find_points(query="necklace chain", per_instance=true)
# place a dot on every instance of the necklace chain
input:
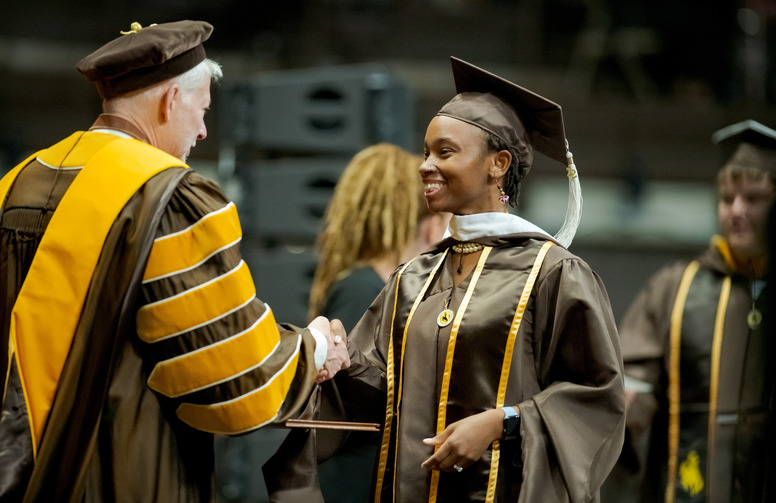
(466, 248)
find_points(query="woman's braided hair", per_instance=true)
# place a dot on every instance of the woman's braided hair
(514, 175)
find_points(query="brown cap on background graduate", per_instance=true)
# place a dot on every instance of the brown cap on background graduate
(142, 57)
(747, 144)
(523, 120)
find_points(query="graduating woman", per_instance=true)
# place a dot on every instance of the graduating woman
(493, 360)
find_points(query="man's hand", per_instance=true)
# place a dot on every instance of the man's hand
(337, 357)
(462, 443)
(321, 323)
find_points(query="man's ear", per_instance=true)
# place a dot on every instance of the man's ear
(168, 102)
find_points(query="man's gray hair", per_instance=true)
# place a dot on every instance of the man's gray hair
(194, 78)
(188, 82)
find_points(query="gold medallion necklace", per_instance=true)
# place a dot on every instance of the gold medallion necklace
(755, 317)
(446, 316)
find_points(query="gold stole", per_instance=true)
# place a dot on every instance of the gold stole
(674, 377)
(48, 308)
(442, 411)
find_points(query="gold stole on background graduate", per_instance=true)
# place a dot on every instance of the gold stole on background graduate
(693, 467)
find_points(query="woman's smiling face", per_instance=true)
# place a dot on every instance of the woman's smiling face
(456, 172)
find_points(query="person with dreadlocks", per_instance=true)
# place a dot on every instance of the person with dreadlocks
(492, 360)
(376, 220)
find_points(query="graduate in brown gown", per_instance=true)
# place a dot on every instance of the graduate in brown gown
(492, 361)
(695, 347)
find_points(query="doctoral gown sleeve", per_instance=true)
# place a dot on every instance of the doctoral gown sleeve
(572, 428)
(216, 352)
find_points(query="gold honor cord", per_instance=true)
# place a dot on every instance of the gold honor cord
(716, 354)
(442, 410)
(390, 380)
(506, 365)
(673, 377)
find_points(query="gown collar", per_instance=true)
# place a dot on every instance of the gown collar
(119, 126)
(470, 227)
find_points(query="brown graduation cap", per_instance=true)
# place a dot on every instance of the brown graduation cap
(142, 57)
(520, 117)
(747, 144)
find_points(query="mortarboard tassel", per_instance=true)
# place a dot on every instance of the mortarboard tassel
(574, 209)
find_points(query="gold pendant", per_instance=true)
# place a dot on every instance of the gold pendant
(753, 319)
(444, 318)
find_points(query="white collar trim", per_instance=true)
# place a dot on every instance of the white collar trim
(479, 225)
(114, 132)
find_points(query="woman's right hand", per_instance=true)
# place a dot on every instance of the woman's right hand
(463, 442)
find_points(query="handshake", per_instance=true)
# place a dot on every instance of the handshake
(337, 357)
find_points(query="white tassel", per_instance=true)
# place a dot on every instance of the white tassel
(574, 209)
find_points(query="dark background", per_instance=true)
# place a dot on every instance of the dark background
(643, 85)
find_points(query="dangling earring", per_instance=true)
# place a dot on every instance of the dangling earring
(504, 197)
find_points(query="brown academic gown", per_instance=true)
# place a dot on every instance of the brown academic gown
(555, 354)
(718, 369)
(109, 436)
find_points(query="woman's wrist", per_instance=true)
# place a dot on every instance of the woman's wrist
(511, 423)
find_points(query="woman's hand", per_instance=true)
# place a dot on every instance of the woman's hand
(462, 443)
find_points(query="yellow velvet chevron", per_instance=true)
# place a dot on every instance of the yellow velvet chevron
(187, 249)
(197, 306)
(218, 362)
(48, 308)
(247, 412)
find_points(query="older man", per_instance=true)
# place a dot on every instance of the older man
(131, 332)
(695, 348)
